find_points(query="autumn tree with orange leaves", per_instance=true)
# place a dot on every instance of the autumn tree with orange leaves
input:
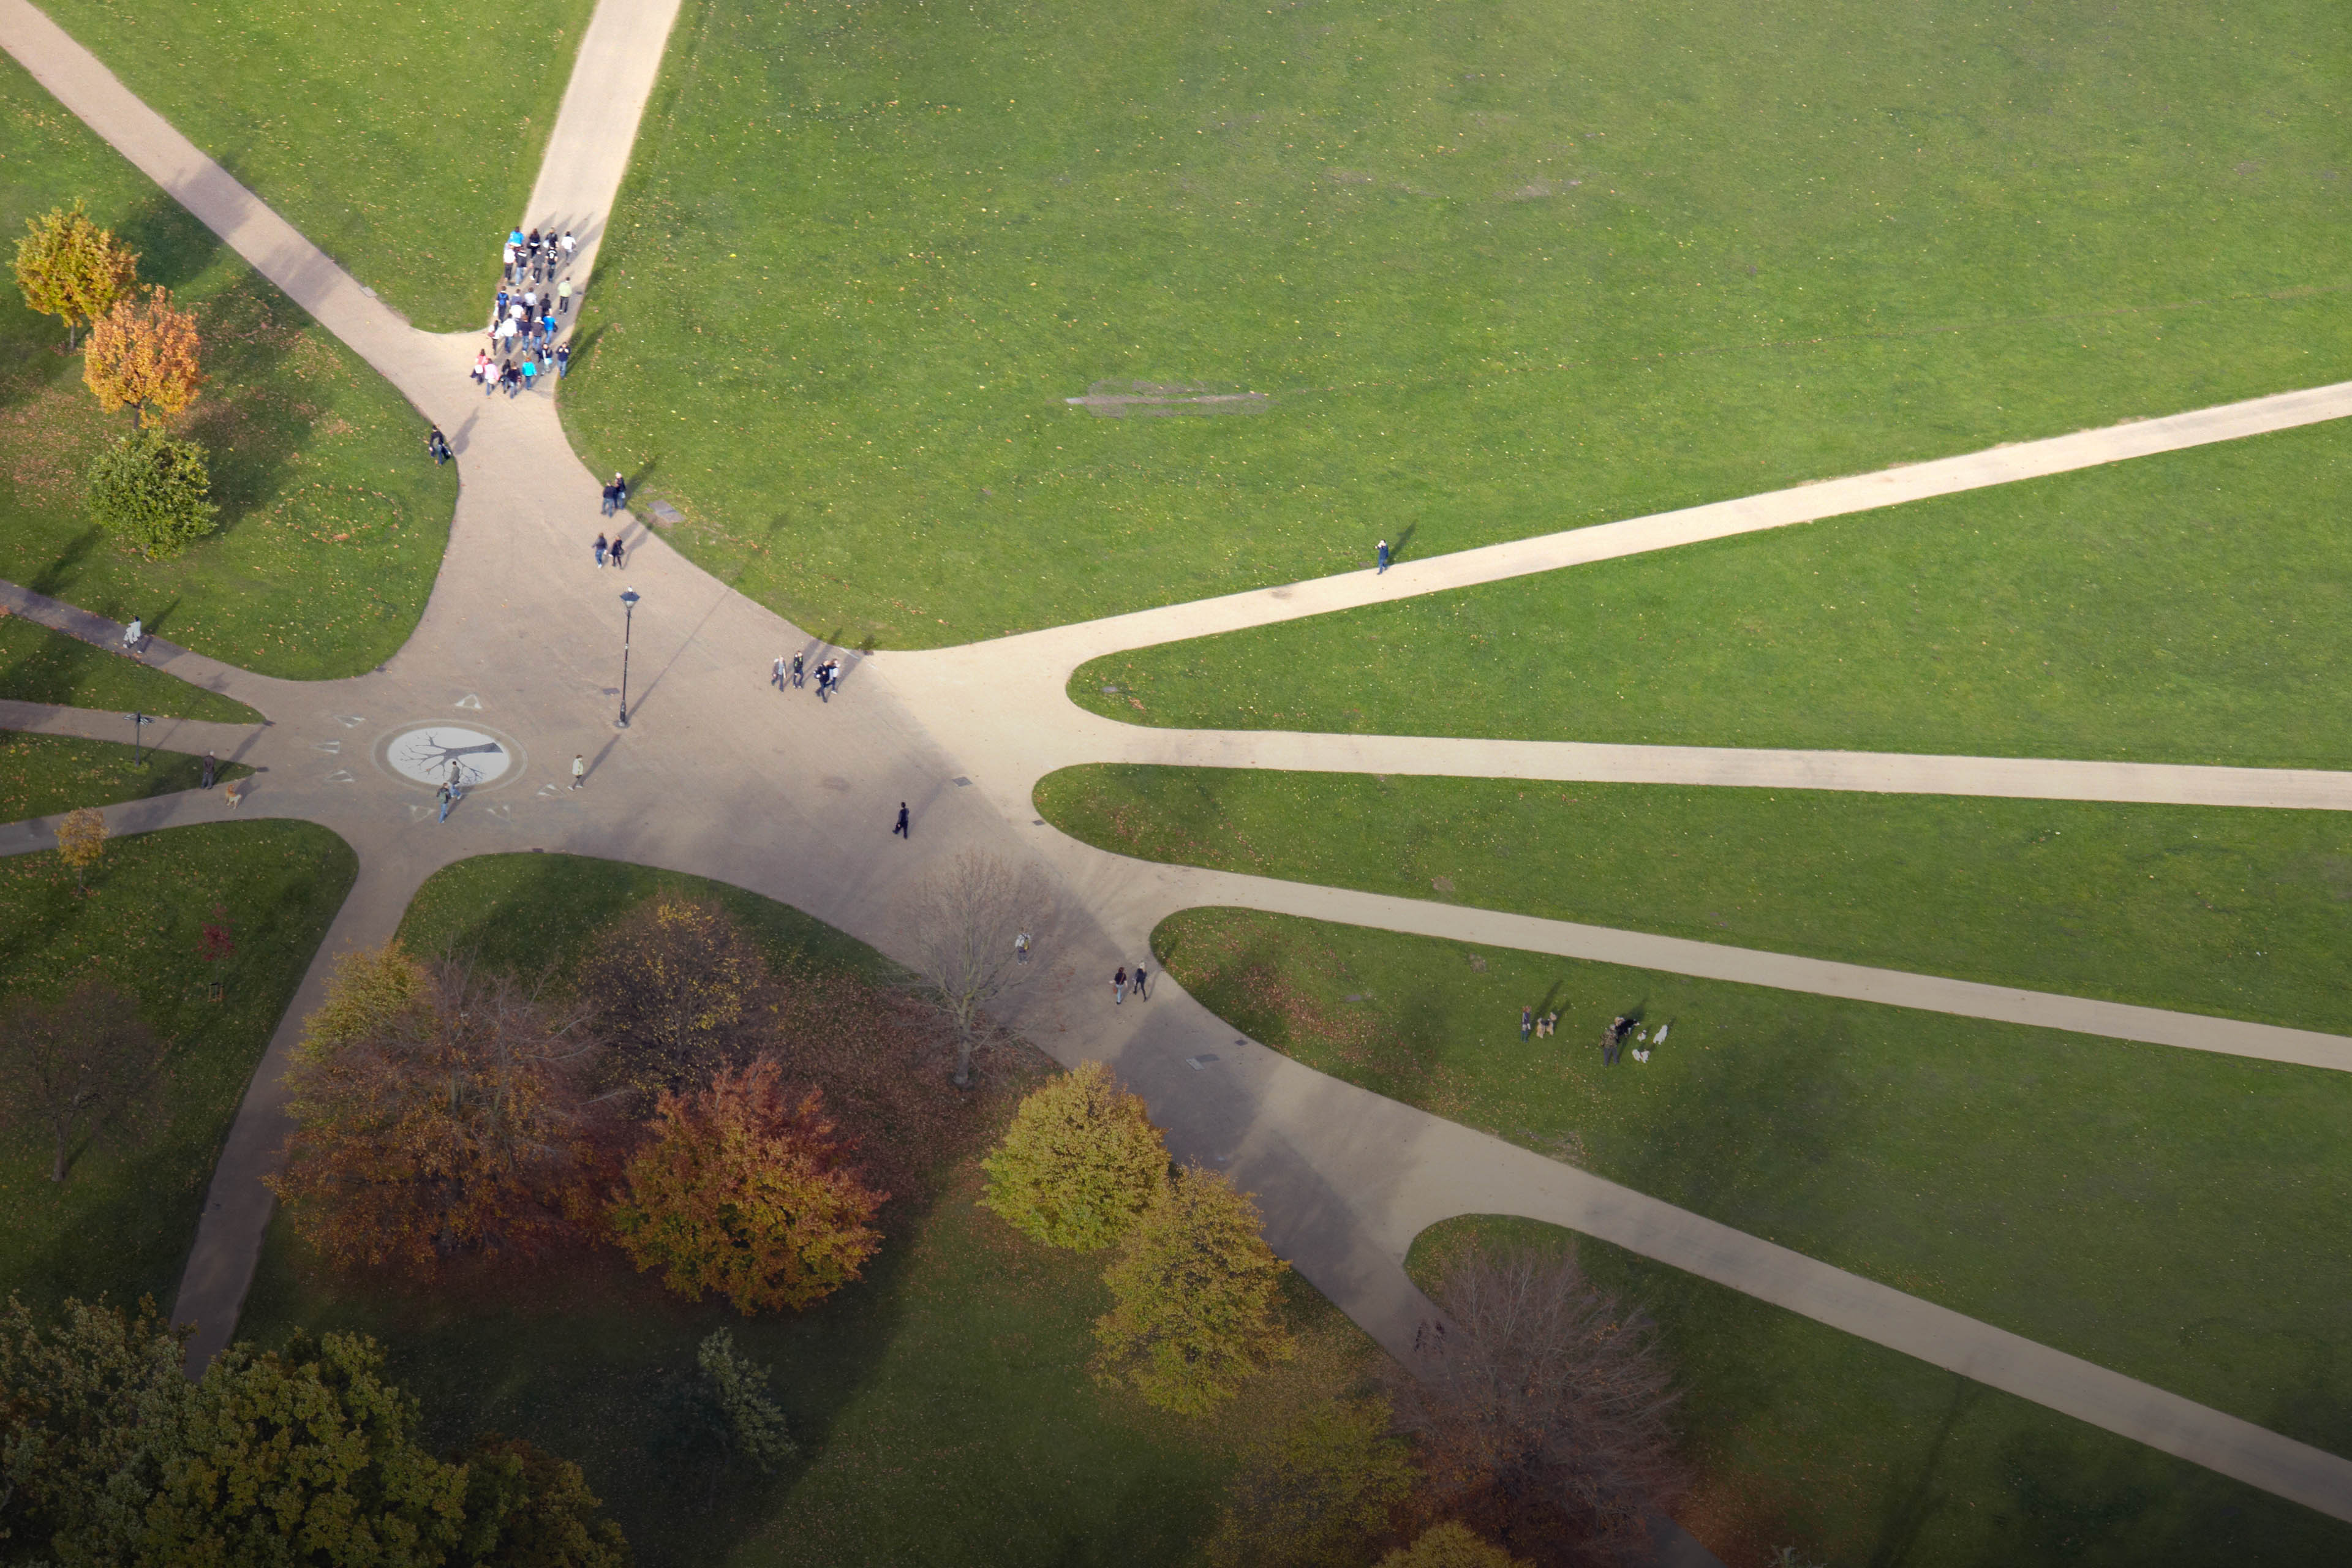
(437, 1111)
(746, 1191)
(145, 357)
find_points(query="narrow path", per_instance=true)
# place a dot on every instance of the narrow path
(194, 736)
(1875, 772)
(1066, 647)
(720, 776)
(170, 658)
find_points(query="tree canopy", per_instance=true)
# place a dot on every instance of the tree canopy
(152, 492)
(1195, 1298)
(684, 992)
(436, 1110)
(1321, 1496)
(1079, 1165)
(69, 268)
(77, 1070)
(145, 357)
(747, 1192)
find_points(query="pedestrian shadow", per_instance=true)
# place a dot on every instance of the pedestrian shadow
(1397, 547)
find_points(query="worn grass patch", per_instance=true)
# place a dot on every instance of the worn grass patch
(122, 1223)
(1497, 269)
(942, 1405)
(373, 128)
(1812, 1439)
(332, 519)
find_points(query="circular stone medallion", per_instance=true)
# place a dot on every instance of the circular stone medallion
(426, 753)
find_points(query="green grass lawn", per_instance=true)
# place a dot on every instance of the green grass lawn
(2240, 913)
(943, 1404)
(1500, 268)
(43, 774)
(37, 665)
(402, 140)
(2168, 1213)
(2192, 607)
(1855, 1454)
(332, 519)
(123, 1222)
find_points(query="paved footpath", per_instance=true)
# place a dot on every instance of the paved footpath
(722, 776)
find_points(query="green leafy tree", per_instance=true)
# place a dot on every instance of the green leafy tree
(152, 492)
(91, 1405)
(301, 1457)
(69, 268)
(1079, 1165)
(1321, 1495)
(527, 1509)
(1194, 1292)
(1450, 1545)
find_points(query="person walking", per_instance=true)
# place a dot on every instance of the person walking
(901, 829)
(800, 675)
(446, 795)
(1526, 1022)
(620, 491)
(602, 544)
(432, 445)
(1383, 563)
(529, 374)
(211, 768)
(824, 683)
(563, 296)
(562, 361)
(579, 770)
(607, 509)
(1138, 984)
(1118, 985)
(507, 270)
(616, 550)
(567, 245)
(1020, 948)
(133, 635)
(776, 677)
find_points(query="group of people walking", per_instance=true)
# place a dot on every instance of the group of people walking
(529, 319)
(791, 674)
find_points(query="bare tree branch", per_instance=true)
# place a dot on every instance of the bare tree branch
(965, 917)
(78, 1070)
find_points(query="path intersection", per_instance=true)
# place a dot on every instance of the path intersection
(719, 776)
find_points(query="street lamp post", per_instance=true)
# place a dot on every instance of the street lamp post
(629, 620)
(139, 722)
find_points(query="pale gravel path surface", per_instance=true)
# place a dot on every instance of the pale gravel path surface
(722, 777)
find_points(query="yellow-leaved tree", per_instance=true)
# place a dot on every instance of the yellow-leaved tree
(69, 268)
(1079, 1165)
(1194, 1311)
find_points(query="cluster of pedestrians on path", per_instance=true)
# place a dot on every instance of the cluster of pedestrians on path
(791, 674)
(1121, 982)
(531, 317)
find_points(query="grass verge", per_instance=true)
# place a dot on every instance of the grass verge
(943, 1404)
(2189, 608)
(37, 665)
(1853, 1454)
(123, 1222)
(347, 125)
(43, 774)
(1464, 272)
(332, 519)
(2209, 909)
(2165, 1213)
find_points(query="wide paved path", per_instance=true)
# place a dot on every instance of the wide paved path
(720, 776)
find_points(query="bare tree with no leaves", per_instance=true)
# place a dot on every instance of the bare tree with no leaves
(1543, 1414)
(78, 1070)
(965, 917)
